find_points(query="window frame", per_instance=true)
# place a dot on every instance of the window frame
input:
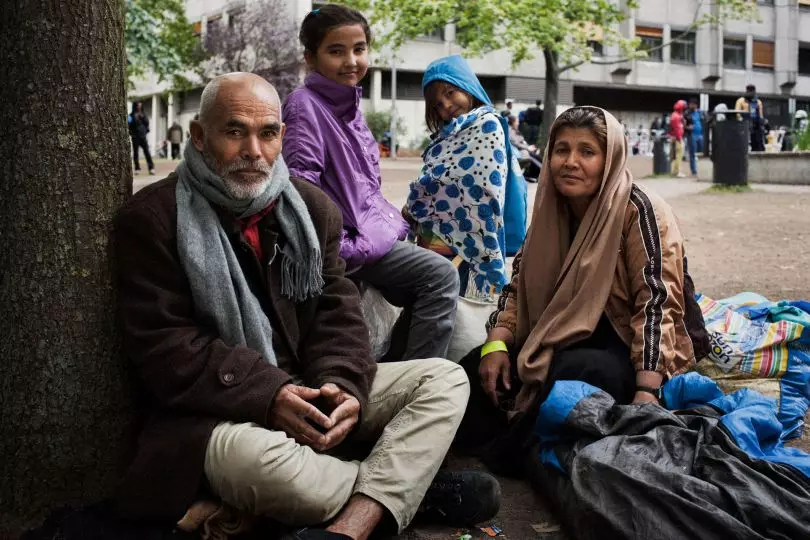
(653, 36)
(760, 65)
(685, 41)
(739, 41)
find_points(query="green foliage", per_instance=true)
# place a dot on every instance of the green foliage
(728, 188)
(159, 39)
(803, 139)
(522, 27)
(380, 121)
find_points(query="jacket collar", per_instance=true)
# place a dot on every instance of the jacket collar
(344, 101)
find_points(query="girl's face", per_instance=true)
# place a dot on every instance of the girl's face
(451, 102)
(577, 163)
(342, 56)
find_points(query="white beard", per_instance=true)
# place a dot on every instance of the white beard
(236, 189)
(241, 191)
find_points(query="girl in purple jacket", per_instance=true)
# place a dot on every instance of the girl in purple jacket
(328, 143)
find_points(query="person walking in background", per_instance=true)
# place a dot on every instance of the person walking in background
(175, 136)
(138, 128)
(693, 122)
(534, 118)
(676, 131)
(750, 103)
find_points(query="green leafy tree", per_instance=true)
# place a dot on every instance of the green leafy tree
(159, 39)
(380, 121)
(559, 29)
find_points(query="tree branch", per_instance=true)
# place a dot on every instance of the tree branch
(694, 25)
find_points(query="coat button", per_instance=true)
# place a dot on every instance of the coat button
(228, 377)
(390, 214)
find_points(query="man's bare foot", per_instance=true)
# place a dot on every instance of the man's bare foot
(359, 518)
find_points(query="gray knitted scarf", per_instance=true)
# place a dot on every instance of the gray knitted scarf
(222, 297)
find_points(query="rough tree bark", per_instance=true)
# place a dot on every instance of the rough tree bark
(552, 94)
(65, 170)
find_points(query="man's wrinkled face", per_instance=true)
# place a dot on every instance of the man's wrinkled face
(241, 140)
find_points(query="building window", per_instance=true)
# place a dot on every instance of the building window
(651, 40)
(436, 35)
(596, 48)
(682, 49)
(734, 53)
(804, 58)
(209, 24)
(233, 16)
(763, 55)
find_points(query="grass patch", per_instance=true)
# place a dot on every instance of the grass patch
(657, 176)
(723, 188)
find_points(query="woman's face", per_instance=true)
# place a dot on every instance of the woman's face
(342, 56)
(577, 163)
(451, 102)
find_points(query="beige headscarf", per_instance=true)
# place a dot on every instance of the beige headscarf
(563, 287)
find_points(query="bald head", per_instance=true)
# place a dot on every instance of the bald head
(226, 87)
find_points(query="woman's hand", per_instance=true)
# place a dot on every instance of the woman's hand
(493, 366)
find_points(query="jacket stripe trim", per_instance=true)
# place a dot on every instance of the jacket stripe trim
(654, 308)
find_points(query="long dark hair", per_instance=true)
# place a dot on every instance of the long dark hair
(432, 118)
(319, 22)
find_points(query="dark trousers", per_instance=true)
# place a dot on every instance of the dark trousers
(141, 142)
(757, 140)
(602, 360)
(175, 150)
(534, 132)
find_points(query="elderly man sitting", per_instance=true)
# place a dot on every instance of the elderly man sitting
(252, 352)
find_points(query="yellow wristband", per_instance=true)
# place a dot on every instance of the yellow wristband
(493, 346)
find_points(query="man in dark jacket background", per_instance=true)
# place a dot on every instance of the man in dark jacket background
(251, 349)
(138, 128)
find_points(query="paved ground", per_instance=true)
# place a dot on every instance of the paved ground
(757, 241)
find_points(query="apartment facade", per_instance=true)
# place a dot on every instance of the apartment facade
(713, 64)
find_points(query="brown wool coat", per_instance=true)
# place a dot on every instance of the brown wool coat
(189, 379)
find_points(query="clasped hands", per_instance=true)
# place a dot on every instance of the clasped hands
(294, 405)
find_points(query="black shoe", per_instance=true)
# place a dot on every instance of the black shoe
(315, 534)
(461, 498)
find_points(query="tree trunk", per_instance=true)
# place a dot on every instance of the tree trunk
(64, 157)
(552, 91)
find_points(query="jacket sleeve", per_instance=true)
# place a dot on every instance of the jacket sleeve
(654, 257)
(336, 349)
(505, 316)
(305, 155)
(303, 148)
(180, 361)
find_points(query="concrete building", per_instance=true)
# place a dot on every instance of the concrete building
(713, 64)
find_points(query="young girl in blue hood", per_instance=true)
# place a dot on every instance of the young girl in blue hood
(469, 201)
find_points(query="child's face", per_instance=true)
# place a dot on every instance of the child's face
(451, 102)
(342, 55)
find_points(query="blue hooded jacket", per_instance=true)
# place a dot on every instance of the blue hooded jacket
(455, 70)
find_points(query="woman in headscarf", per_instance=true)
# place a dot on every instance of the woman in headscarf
(600, 292)
(470, 199)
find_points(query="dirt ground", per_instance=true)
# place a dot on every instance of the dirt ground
(757, 241)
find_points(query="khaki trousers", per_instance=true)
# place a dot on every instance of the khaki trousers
(677, 157)
(413, 411)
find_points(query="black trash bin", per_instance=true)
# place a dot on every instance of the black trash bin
(730, 138)
(661, 154)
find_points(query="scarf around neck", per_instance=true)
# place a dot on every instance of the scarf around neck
(565, 282)
(222, 297)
